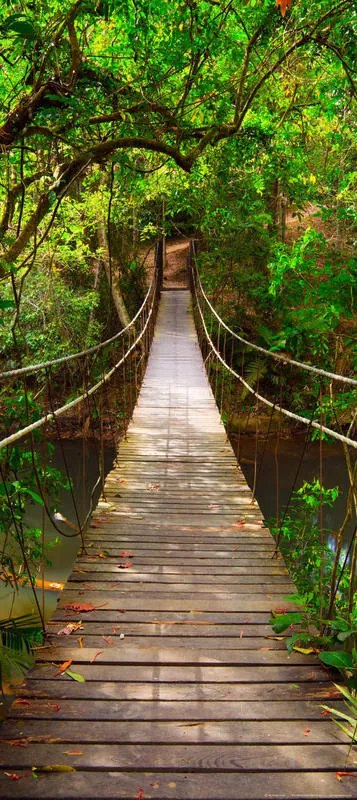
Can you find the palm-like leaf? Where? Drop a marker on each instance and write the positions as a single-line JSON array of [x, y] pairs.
[[253, 372], [17, 635]]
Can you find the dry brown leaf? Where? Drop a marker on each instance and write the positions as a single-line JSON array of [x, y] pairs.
[[98, 653], [62, 668], [284, 5]]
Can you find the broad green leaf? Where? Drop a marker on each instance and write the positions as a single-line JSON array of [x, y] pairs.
[[337, 658], [75, 676], [283, 621], [22, 27], [36, 497]]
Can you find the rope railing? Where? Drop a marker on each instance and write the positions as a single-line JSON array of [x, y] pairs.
[[148, 305], [202, 303], [107, 388], [196, 281], [29, 369]]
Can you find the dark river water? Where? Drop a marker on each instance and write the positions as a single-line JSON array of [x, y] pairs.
[[84, 461], [296, 464]]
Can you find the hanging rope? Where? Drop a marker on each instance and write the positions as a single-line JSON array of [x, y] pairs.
[[13, 373], [196, 282], [150, 299], [198, 291]]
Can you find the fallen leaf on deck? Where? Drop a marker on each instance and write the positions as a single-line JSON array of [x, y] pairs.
[[239, 524], [172, 785], [307, 731], [16, 742], [125, 554], [108, 640], [277, 638], [190, 724], [63, 667], [103, 554], [340, 775], [306, 651], [13, 776], [54, 768], [124, 565], [140, 794], [99, 652], [53, 706], [73, 753], [79, 608], [20, 701], [80, 641], [70, 628], [75, 676]]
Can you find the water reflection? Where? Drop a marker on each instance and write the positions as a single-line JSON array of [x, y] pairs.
[[82, 459], [290, 451]]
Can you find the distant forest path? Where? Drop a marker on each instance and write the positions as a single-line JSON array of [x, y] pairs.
[[175, 269]]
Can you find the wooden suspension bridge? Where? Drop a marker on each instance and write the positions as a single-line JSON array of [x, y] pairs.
[[187, 694]]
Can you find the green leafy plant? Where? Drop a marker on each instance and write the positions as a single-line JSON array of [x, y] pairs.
[[17, 637], [347, 721], [329, 628]]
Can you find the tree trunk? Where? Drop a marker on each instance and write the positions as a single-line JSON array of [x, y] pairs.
[[112, 275]]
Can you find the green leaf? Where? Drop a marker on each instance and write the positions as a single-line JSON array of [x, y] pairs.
[[22, 27], [283, 621], [75, 676], [54, 768], [337, 658], [36, 497], [7, 304]]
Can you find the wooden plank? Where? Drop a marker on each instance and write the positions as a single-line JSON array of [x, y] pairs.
[[192, 581], [110, 639], [40, 689], [185, 758], [215, 785], [85, 567], [180, 602], [182, 628], [69, 706], [130, 581], [286, 732], [110, 667], [159, 616]]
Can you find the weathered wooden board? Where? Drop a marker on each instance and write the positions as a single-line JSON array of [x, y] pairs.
[[178, 732], [199, 785], [185, 693]]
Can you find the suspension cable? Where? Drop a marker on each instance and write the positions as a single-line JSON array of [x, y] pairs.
[[286, 412], [73, 403], [275, 356], [12, 373]]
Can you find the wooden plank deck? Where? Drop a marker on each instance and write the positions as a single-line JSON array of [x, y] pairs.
[[186, 693]]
